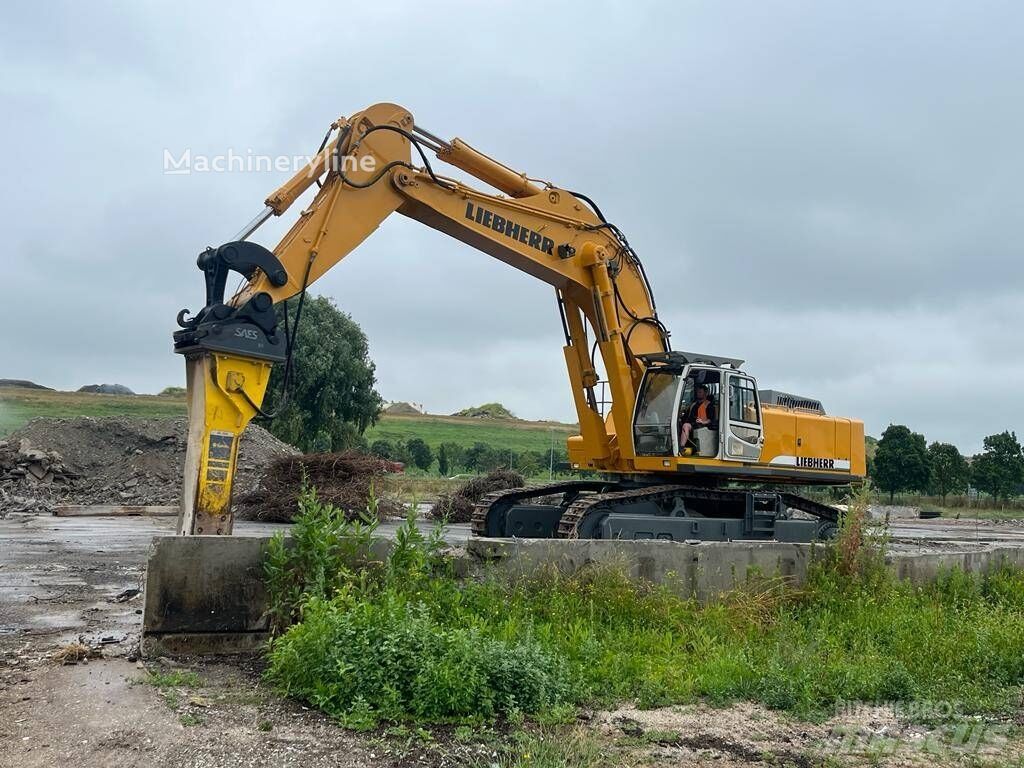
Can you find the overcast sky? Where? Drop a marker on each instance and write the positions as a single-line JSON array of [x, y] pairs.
[[833, 191]]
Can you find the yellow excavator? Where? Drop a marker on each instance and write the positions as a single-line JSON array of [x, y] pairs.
[[673, 445]]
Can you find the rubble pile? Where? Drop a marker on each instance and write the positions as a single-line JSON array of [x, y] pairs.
[[349, 480], [33, 464], [24, 469], [112, 460]]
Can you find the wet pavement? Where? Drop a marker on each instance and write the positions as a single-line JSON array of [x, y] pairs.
[[62, 578]]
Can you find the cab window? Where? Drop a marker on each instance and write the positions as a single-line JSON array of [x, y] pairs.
[[743, 400], [655, 415]]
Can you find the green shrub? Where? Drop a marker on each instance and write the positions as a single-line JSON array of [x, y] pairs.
[[388, 659], [326, 554], [406, 640]]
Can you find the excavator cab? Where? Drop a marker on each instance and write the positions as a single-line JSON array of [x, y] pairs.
[[668, 391]]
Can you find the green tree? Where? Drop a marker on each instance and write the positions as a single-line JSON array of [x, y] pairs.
[[420, 453], [901, 461], [999, 469], [483, 458], [331, 399], [530, 463], [384, 449], [453, 457], [950, 472]]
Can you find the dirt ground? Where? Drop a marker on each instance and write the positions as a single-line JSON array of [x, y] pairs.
[[109, 712], [70, 580], [101, 713], [73, 580]]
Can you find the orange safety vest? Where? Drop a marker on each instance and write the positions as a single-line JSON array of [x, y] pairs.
[[702, 410]]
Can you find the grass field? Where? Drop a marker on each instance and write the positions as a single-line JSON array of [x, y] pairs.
[[510, 434], [18, 405]]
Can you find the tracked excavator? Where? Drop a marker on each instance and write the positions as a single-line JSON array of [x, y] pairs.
[[642, 475]]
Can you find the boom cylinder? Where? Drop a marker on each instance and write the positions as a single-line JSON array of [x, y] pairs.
[[461, 155]]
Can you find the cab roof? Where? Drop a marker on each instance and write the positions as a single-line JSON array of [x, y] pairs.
[[678, 359]]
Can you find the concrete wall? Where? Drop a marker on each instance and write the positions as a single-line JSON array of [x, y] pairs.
[[703, 571], [205, 594], [922, 567]]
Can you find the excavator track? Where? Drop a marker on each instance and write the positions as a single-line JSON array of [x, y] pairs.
[[497, 502], [592, 500], [581, 514]]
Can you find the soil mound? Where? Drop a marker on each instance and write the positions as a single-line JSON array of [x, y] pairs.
[[487, 411], [402, 409], [106, 389], [112, 460]]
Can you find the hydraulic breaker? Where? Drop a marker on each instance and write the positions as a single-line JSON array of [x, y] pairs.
[[229, 351], [223, 391]]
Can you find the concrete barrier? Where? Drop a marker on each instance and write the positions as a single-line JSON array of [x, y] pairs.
[[205, 594], [922, 567], [702, 571]]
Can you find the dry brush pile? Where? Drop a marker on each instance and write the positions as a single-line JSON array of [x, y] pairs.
[[457, 507], [349, 481]]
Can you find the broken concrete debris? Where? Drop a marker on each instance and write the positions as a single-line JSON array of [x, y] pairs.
[[112, 461], [22, 460]]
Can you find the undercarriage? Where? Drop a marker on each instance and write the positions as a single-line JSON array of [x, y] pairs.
[[617, 509]]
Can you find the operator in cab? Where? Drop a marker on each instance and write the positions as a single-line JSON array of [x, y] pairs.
[[701, 413]]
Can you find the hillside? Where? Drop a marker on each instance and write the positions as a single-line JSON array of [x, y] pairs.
[[513, 434], [22, 384], [18, 405]]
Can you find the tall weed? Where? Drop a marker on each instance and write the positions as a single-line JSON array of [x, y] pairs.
[[405, 639], [327, 555]]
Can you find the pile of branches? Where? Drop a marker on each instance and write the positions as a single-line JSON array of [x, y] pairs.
[[350, 481], [457, 507]]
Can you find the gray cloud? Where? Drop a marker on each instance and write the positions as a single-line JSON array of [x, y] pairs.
[[830, 190]]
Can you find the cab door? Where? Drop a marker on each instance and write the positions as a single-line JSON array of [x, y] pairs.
[[655, 430], [744, 433]]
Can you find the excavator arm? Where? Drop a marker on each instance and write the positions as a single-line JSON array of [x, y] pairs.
[[366, 172]]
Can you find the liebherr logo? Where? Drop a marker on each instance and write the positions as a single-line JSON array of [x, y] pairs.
[[510, 228], [809, 462]]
